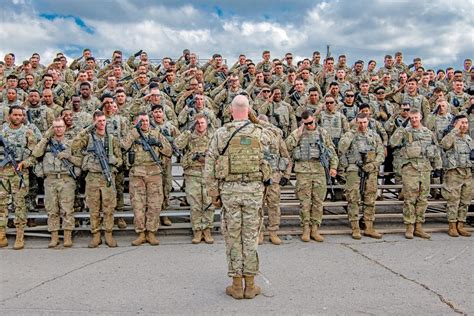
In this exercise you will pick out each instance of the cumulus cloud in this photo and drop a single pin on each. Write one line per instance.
(439, 33)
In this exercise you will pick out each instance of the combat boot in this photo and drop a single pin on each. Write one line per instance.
(121, 223)
(68, 238)
(3, 238)
(315, 234)
(453, 231)
(260, 238)
(151, 238)
(235, 290)
(370, 231)
(54, 240)
(409, 231)
(109, 240)
(20, 239)
(306, 231)
(462, 231)
(355, 230)
(251, 290)
(208, 237)
(274, 238)
(419, 232)
(197, 237)
(140, 239)
(95, 241)
(165, 220)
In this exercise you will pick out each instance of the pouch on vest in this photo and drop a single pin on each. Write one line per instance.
(38, 170)
(413, 152)
(431, 151)
(371, 156)
(244, 155)
(283, 163)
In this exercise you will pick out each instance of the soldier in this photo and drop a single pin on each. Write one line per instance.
(382, 108)
(457, 97)
(196, 106)
(224, 98)
(361, 153)
(458, 188)
(416, 100)
(418, 152)
(80, 117)
(57, 165)
(235, 174)
(279, 160)
(306, 144)
(333, 121)
(48, 101)
(348, 108)
(145, 146)
(280, 113)
(313, 103)
(102, 155)
(194, 145)
(89, 103)
(17, 140)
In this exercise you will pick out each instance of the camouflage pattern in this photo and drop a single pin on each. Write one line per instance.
(282, 115)
(41, 116)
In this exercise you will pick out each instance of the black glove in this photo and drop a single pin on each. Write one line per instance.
(284, 181)
(437, 173)
(138, 53)
(267, 182)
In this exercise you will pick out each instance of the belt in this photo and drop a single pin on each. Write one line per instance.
(58, 175)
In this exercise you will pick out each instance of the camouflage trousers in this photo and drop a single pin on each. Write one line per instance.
(196, 195)
(272, 201)
(352, 192)
(416, 189)
(100, 197)
(458, 192)
(167, 182)
(241, 222)
(146, 194)
(59, 201)
(119, 187)
(10, 188)
(311, 190)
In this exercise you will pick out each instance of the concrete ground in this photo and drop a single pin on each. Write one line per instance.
(340, 276)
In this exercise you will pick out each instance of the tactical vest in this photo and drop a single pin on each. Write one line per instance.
(52, 165)
(197, 145)
(419, 145)
(17, 139)
(441, 123)
(142, 156)
(459, 155)
(332, 123)
(279, 115)
(114, 127)
(350, 112)
(90, 162)
(362, 143)
(271, 153)
(308, 148)
(415, 102)
(37, 115)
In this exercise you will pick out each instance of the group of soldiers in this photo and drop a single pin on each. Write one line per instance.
(238, 132)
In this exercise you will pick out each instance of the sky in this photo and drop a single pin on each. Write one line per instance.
(441, 32)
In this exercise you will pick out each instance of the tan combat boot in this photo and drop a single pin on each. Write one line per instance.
(121, 223)
(419, 232)
(251, 290)
(208, 237)
(462, 231)
(20, 239)
(166, 221)
(274, 238)
(260, 238)
(370, 231)
(109, 240)
(355, 230)
(453, 231)
(54, 240)
(68, 238)
(3, 238)
(151, 238)
(197, 237)
(235, 290)
(95, 241)
(140, 239)
(409, 231)
(306, 231)
(315, 234)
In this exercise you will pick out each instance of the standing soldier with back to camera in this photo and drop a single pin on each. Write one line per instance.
(194, 143)
(361, 153)
(306, 144)
(458, 188)
(146, 146)
(235, 173)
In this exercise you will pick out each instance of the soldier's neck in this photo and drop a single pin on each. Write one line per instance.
(12, 126)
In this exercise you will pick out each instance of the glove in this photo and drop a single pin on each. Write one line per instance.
(216, 201)
(64, 155)
(369, 167)
(138, 53)
(437, 173)
(267, 182)
(284, 181)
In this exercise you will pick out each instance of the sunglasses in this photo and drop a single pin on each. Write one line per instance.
(309, 123)
(330, 102)
(265, 91)
(406, 110)
(349, 95)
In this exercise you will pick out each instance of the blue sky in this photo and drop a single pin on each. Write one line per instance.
(439, 31)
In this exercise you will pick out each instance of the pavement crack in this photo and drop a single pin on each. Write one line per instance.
(66, 273)
(443, 299)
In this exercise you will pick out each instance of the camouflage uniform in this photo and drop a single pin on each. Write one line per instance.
(417, 102)
(311, 185)
(146, 187)
(335, 123)
(282, 115)
(235, 174)
(195, 148)
(457, 101)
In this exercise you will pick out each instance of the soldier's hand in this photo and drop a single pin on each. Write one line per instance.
(332, 172)
(49, 133)
(458, 124)
(216, 201)
(20, 166)
(284, 181)
(300, 130)
(369, 167)
(64, 155)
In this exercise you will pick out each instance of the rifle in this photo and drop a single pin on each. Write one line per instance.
(101, 155)
(10, 157)
(56, 148)
(175, 149)
(146, 144)
(324, 159)
(363, 180)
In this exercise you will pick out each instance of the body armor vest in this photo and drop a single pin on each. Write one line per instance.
(459, 155)
(17, 139)
(332, 122)
(308, 148)
(37, 115)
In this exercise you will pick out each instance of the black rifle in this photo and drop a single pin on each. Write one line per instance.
(101, 155)
(170, 139)
(10, 157)
(197, 156)
(324, 155)
(146, 144)
(56, 148)
(363, 181)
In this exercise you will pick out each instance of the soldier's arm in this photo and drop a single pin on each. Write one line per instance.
(40, 148)
(171, 116)
(128, 140)
(292, 141)
(448, 141)
(49, 117)
(79, 142)
(382, 133)
(293, 123)
(397, 137)
(165, 150)
(30, 145)
(333, 158)
(345, 143)
(212, 184)
(183, 116)
(425, 108)
(285, 154)
(117, 152)
(380, 151)
(345, 124)
(182, 140)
